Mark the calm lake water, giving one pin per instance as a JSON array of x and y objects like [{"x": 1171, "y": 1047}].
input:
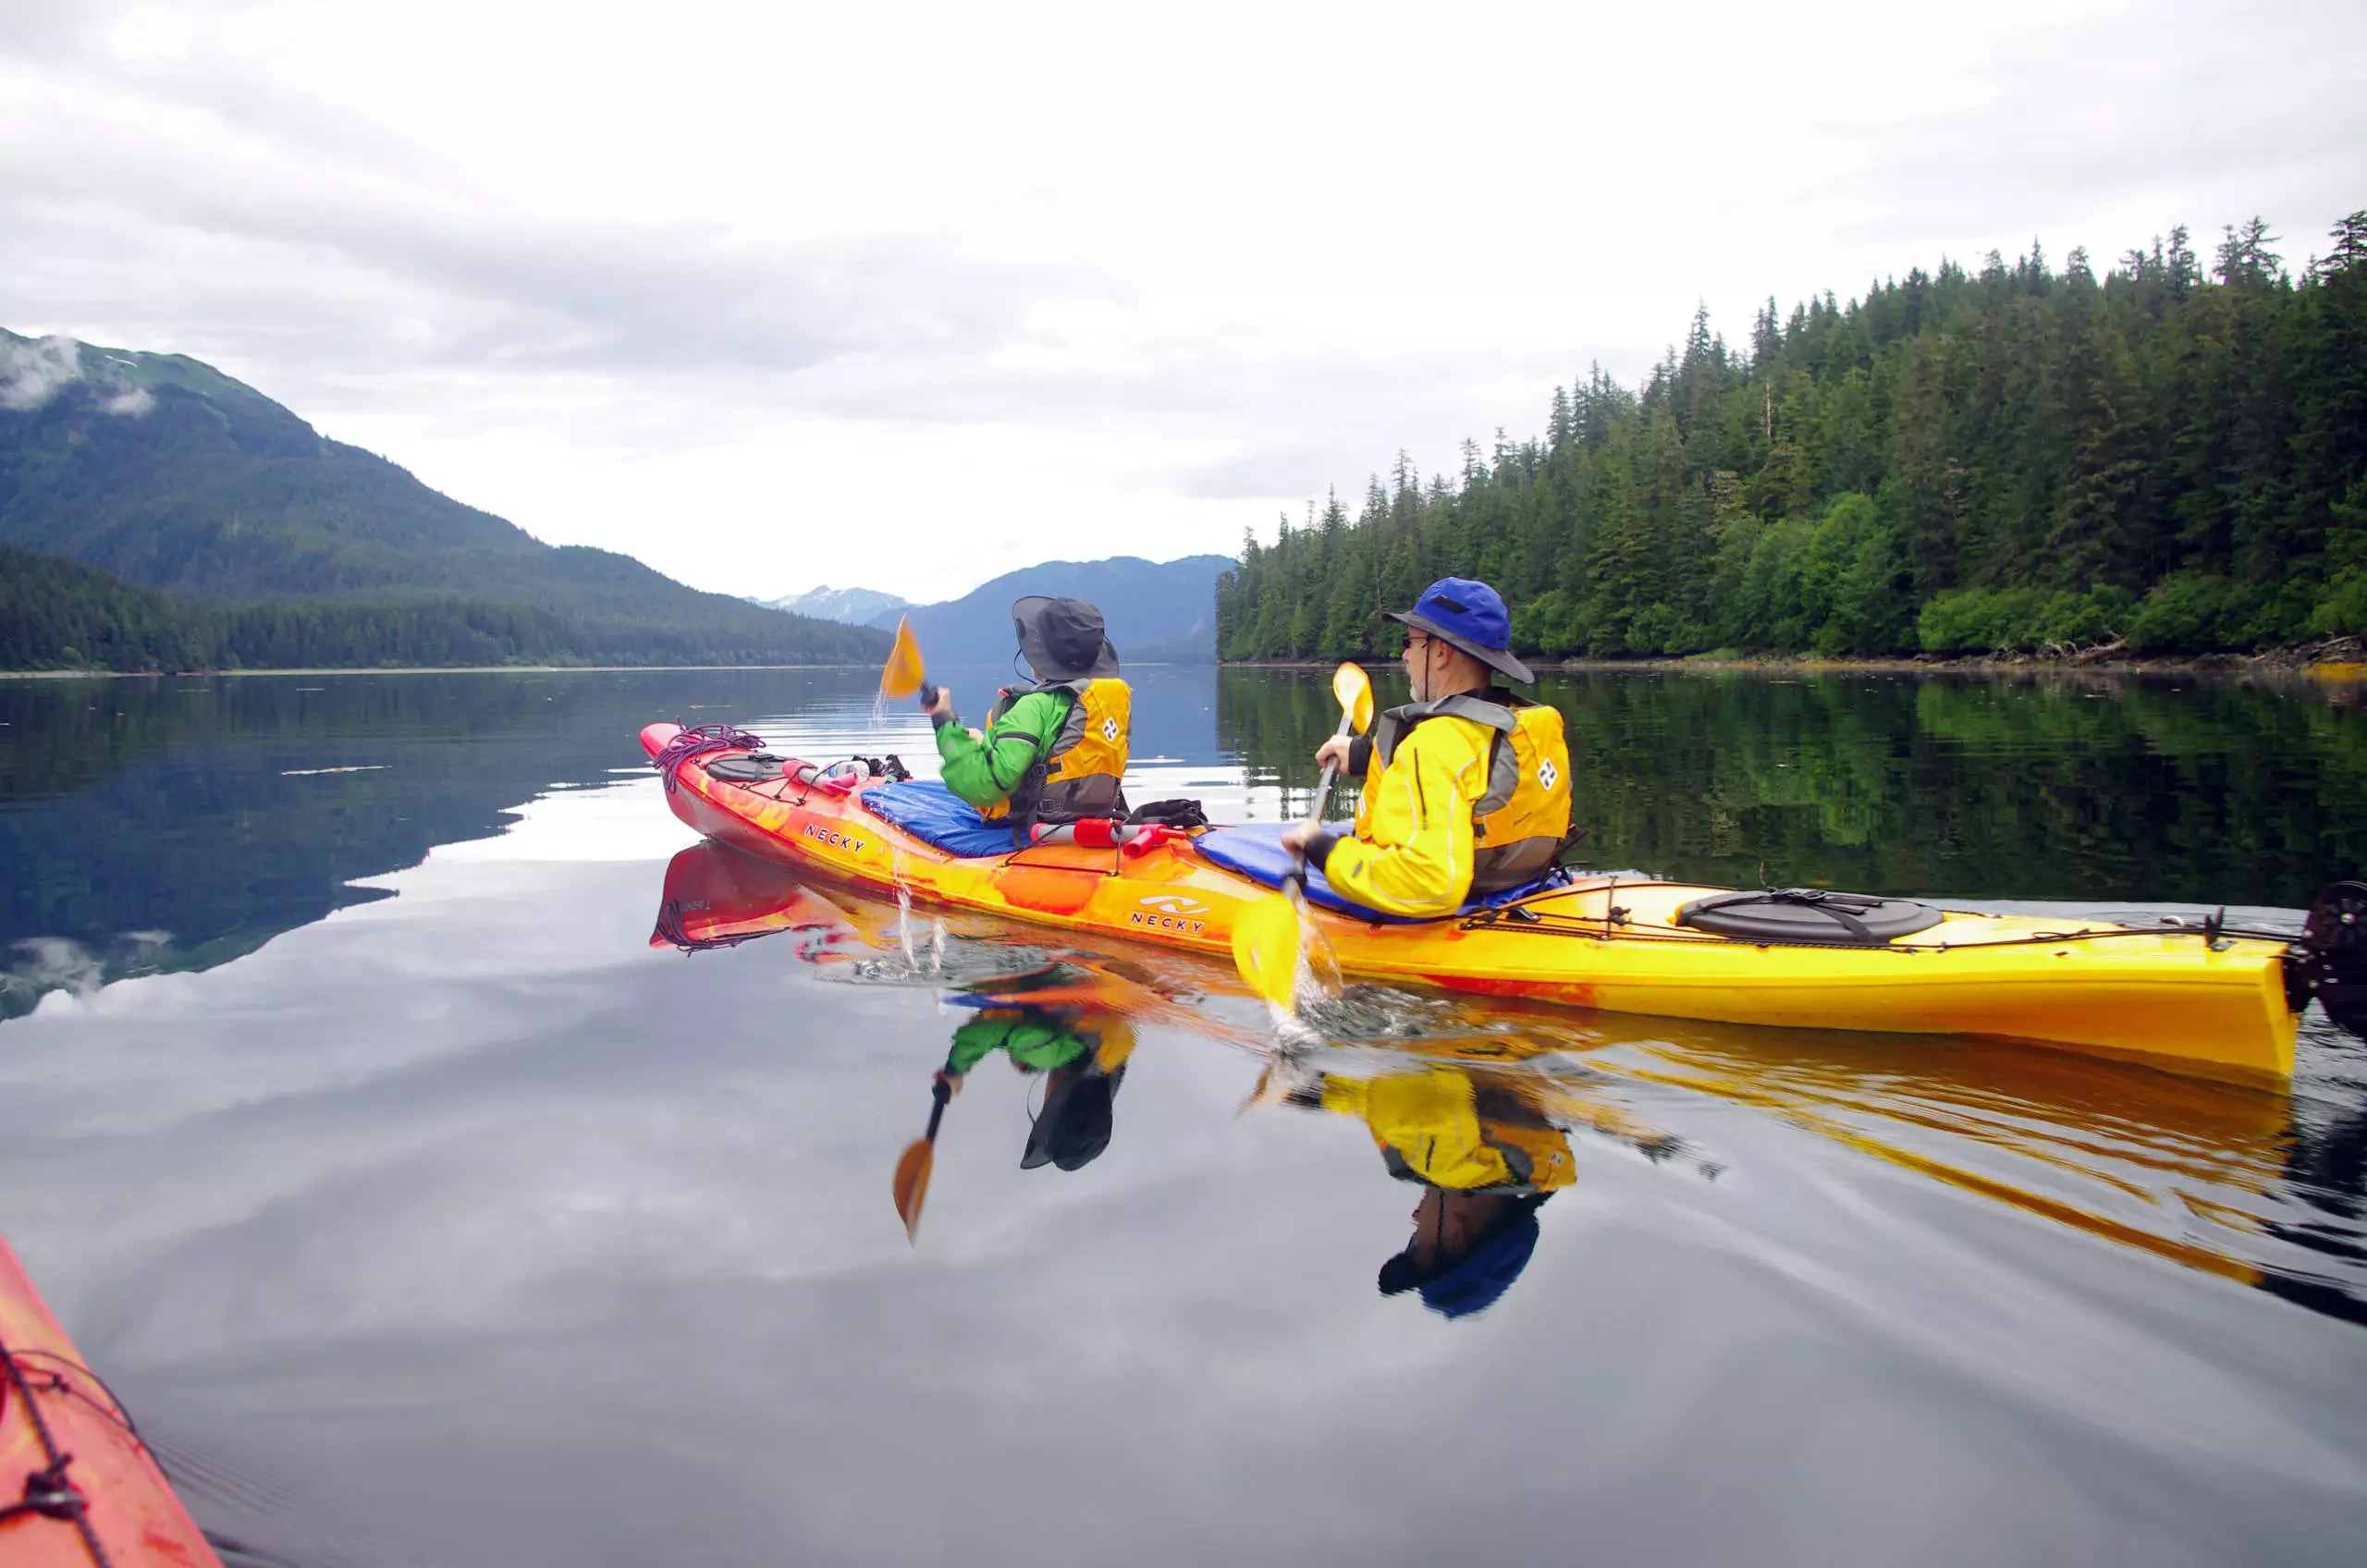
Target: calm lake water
[{"x": 427, "y": 1209}]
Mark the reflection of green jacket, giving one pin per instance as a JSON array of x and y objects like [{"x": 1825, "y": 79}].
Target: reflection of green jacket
[
  {"x": 1034, "y": 1041},
  {"x": 984, "y": 773}
]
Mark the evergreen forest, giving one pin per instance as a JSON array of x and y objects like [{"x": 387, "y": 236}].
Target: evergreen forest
[
  {"x": 2169, "y": 457},
  {"x": 59, "y": 614}
]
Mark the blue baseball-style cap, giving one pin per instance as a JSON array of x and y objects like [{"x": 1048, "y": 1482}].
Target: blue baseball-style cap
[{"x": 1471, "y": 615}]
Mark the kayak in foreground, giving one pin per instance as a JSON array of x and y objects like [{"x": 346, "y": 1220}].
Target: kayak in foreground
[
  {"x": 2186, "y": 994},
  {"x": 77, "y": 1486}
]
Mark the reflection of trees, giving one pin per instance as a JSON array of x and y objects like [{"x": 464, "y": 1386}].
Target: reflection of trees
[
  {"x": 164, "y": 805},
  {"x": 2099, "y": 789}
]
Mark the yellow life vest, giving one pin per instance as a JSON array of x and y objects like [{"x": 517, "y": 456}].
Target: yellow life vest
[
  {"x": 1519, "y": 824},
  {"x": 1079, "y": 776},
  {"x": 1430, "y": 1128}
]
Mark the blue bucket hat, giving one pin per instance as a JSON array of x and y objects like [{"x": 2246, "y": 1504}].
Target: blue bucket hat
[
  {"x": 1469, "y": 614},
  {"x": 1473, "y": 1283}
]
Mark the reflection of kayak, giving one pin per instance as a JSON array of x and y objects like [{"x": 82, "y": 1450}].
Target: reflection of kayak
[
  {"x": 107, "y": 1502},
  {"x": 2191, "y": 1170},
  {"x": 1600, "y": 942}
]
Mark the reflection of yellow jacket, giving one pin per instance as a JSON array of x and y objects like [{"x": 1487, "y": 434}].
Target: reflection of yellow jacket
[
  {"x": 1413, "y": 850},
  {"x": 1432, "y": 1128}
]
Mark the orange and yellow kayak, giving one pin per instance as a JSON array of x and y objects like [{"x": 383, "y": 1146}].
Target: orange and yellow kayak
[
  {"x": 77, "y": 1486},
  {"x": 2182, "y": 995}
]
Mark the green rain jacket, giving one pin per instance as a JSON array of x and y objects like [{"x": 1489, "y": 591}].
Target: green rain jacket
[
  {"x": 1033, "y": 1042},
  {"x": 984, "y": 773}
]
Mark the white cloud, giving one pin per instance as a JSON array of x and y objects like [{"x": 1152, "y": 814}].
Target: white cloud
[
  {"x": 708, "y": 282},
  {"x": 33, "y": 373},
  {"x": 30, "y": 373}
]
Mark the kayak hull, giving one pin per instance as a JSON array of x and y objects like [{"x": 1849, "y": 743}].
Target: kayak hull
[
  {"x": 128, "y": 1506},
  {"x": 1601, "y": 943}
]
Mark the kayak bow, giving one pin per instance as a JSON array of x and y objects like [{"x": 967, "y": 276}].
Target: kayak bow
[{"x": 77, "y": 1487}]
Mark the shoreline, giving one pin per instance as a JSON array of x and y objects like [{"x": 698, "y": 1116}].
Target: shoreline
[
  {"x": 399, "y": 670},
  {"x": 2339, "y": 659}
]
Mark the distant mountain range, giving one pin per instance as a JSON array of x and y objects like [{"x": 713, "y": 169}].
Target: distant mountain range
[
  {"x": 848, "y": 607},
  {"x": 168, "y": 474},
  {"x": 1157, "y": 612}
]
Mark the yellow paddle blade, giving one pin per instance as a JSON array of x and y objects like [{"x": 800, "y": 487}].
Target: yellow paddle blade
[
  {"x": 1354, "y": 688},
  {"x": 904, "y": 671},
  {"x": 911, "y": 1184},
  {"x": 1265, "y": 948}
]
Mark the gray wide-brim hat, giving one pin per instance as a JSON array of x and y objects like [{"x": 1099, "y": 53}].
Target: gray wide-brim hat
[
  {"x": 1064, "y": 639},
  {"x": 1074, "y": 1125}
]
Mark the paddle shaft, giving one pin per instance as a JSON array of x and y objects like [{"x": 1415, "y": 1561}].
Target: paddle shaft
[
  {"x": 937, "y": 1112},
  {"x": 1295, "y": 880}
]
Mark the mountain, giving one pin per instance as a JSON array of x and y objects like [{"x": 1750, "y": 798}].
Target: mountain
[
  {"x": 165, "y": 472},
  {"x": 849, "y": 606},
  {"x": 1157, "y": 612}
]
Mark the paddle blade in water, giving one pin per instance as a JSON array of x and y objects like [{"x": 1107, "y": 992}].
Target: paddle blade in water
[
  {"x": 1265, "y": 948},
  {"x": 904, "y": 671},
  {"x": 1353, "y": 687},
  {"x": 911, "y": 1184}
]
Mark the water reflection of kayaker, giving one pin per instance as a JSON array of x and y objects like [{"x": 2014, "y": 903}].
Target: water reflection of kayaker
[
  {"x": 1486, "y": 1157},
  {"x": 1041, "y": 1022},
  {"x": 1466, "y": 789},
  {"x": 1054, "y": 751},
  {"x": 1080, "y": 1054}
]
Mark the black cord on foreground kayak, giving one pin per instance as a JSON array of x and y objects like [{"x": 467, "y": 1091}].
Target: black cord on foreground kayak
[{"x": 49, "y": 1493}]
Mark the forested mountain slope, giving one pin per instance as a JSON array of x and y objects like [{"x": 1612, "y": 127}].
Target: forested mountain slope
[
  {"x": 166, "y": 473},
  {"x": 59, "y": 614},
  {"x": 1961, "y": 461}
]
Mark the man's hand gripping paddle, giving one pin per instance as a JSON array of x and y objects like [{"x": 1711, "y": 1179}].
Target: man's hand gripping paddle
[
  {"x": 905, "y": 673},
  {"x": 1266, "y": 936}
]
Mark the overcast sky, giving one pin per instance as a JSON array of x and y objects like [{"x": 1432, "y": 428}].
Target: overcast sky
[{"x": 905, "y": 296}]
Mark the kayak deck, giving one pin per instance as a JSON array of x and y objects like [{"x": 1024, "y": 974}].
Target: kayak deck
[
  {"x": 113, "y": 1505},
  {"x": 1604, "y": 942}
]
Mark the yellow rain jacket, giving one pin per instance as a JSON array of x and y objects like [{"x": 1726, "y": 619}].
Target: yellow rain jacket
[
  {"x": 1430, "y": 1128},
  {"x": 1412, "y": 852},
  {"x": 1439, "y": 776}
]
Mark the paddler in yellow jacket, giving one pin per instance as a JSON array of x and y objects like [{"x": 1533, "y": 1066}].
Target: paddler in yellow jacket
[
  {"x": 1054, "y": 751},
  {"x": 1486, "y": 1156},
  {"x": 1466, "y": 789}
]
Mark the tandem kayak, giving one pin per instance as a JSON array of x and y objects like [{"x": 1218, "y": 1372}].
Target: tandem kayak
[
  {"x": 2188, "y": 993},
  {"x": 77, "y": 1485}
]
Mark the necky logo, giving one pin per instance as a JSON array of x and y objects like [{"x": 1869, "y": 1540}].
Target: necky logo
[
  {"x": 1173, "y": 904},
  {"x": 832, "y": 836},
  {"x": 1169, "y": 912}
]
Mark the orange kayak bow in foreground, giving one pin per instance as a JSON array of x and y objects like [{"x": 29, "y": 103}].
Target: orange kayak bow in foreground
[{"x": 77, "y": 1487}]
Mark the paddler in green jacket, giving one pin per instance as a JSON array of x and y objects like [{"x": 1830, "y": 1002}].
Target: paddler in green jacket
[
  {"x": 1080, "y": 1053},
  {"x": 1055, "y": 751}
]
